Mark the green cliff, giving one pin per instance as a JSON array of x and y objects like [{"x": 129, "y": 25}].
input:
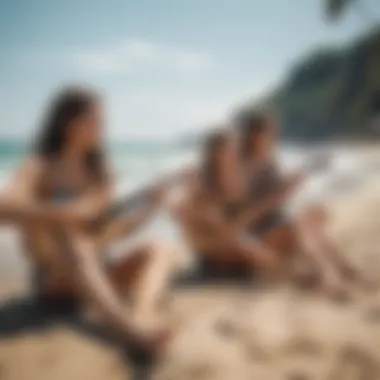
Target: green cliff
[{"x": 332, "y": 93}]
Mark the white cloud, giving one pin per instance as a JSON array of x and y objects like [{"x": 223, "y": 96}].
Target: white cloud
[{"x": 136, "y": 54}]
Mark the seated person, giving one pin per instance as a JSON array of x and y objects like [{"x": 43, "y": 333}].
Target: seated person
[
  {"x": 221, "y": 246},
  {"x": 54, "y": 201},
  {"x": 270, "y": 194}
]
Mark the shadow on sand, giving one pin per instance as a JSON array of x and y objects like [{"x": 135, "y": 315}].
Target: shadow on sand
[{"x": 25, "y": 315}]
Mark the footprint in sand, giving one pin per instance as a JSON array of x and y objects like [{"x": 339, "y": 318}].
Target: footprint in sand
[
  {"x": 355, "y": 364},
  {"x": 303, "y": 345},
  {"x": 298, "y": 376},
  {"x": 372, "y": 314},
  {"x": 226, "y": 328}
]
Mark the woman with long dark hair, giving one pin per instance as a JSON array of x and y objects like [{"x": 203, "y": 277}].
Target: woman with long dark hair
[
  {"x": 223, "y": 247},
  {"x": 272, "y": 191},
  {"x": 55, "y": 200}
]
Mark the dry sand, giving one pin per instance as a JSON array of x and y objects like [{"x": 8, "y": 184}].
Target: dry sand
[{"x": 232, "y": 333}]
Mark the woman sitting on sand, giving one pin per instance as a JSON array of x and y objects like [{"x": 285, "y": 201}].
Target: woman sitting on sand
[
  {"x": 270, "y": 194},
  {"x": 54, "y": 201},
  {"x": 221, "y": 246},
  {"x": 234, "y": 216}
]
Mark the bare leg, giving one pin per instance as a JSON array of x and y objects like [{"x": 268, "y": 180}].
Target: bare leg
[
  {"x": 285, "y": 241},
  {"x": 249, "y": 252},
  {"x": 341, "y": 264},
  {"x": 97, "y": 286},
  {"x": 145, "y": 274},
  {"x": 312, "y": 239},
  {"x": 302, "y": 256},
  {"x": 271, "y": 254},
  {"x": 85, "y": 277},
  {"x": 315, "y": 220}
]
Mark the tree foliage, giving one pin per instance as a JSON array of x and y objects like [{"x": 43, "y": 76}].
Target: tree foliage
[
  {"x": 331, "y": 92},
  {"x": 336, "y": 8}
]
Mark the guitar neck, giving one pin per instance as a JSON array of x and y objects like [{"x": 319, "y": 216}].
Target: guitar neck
[{"x": 139, "y": 198}]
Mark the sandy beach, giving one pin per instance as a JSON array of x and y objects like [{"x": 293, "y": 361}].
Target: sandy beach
[{"x": 261, "y": 332}]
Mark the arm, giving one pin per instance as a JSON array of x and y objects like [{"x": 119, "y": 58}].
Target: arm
[
  {"x": 19, "y": 192},
  {"x": 140, "y": 198},
  {"x": 19, "y": 202},
  {"x": 203, "y": 216},
  {"x": 294, "y": 181},
  {"x": 137, "y": 208},
  {"x": 112, "y": 230},
  {"x": 273, "y": 201},
  {"x": 80, "y": 211}
]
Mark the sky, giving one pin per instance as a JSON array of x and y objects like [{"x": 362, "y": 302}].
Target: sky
[{"x": 165, "y": 67}]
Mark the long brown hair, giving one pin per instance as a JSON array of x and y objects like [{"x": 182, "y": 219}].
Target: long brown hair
[
  {"x": 212, "y": 144},
  {"x": 69, "y": 104},
  {"x": 250, "y": 126}
]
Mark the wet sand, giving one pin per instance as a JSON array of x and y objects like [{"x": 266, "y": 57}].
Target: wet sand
[{"x": 261, "y": 333}]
